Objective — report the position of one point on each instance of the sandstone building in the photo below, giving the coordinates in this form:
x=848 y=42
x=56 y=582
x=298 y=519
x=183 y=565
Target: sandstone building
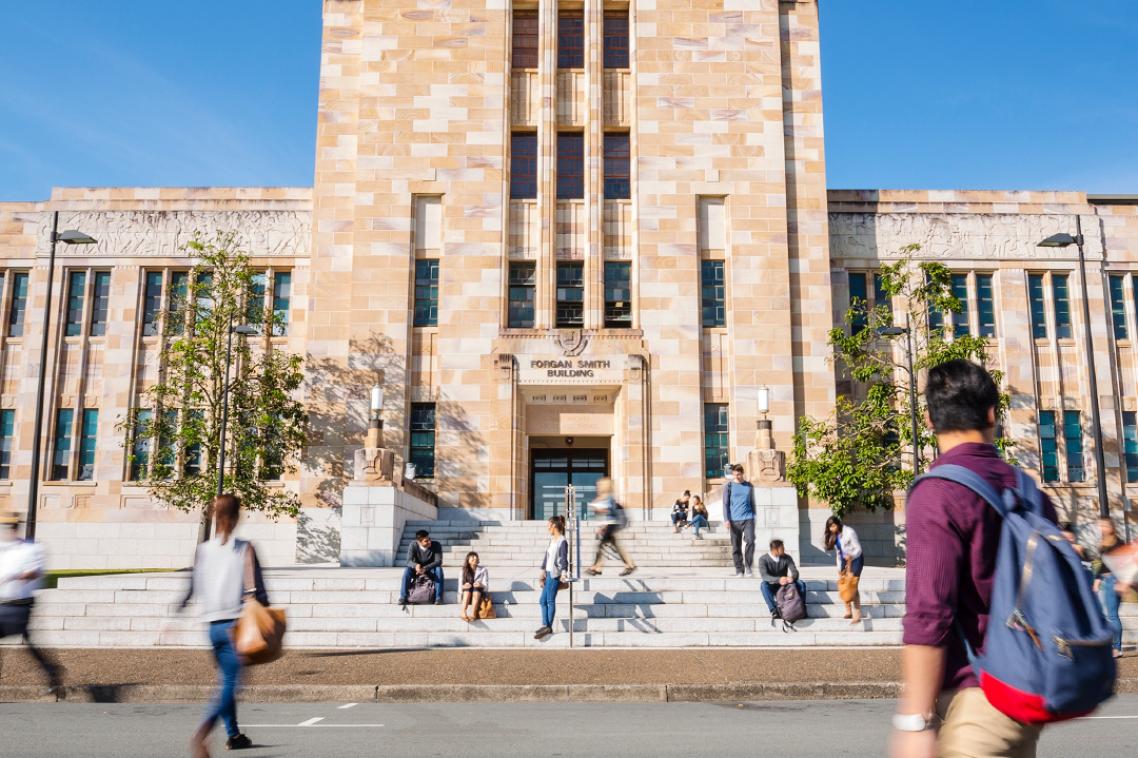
x=571 y=239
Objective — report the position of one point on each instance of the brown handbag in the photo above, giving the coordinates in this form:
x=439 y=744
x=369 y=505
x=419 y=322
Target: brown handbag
x=847 y=586
x=259 y=632
x=486 y=608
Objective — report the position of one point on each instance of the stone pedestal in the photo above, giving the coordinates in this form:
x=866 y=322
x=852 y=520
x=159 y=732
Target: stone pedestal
x=776 y=518
x=374 y=514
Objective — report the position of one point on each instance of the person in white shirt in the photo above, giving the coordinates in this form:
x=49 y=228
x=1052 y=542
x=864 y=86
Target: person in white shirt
x=475 y=586
x=22 y=564
x=843 y=539
x=554 y=563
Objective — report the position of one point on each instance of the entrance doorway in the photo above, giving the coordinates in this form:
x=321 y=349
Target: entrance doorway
x=554 y=470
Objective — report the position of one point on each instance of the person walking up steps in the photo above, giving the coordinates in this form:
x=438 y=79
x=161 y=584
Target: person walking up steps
x=613 y=519
x=21 y=572
x=739 y=518
x=553 y=564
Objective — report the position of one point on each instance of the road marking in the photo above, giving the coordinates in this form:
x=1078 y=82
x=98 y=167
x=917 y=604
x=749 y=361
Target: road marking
x=311 y=721
x=346 y=707
x=313 y=726
x=1108 y=718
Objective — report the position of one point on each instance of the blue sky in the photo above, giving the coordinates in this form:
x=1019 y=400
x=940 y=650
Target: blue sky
x=1015 y=94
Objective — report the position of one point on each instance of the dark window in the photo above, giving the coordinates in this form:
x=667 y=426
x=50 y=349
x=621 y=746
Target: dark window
x=1038 y=307
x=1118 y=308
x=176 y=309
x=985 y=305
x=525 y=40
x=1048 y=446
x=1060 y=294
x=713 y=293
x=523 y=281
x=192 y=429
x=19 y=304
x=88 y=440
x=140 y=447
x=76 y=291
x=716 y=445
x=571 y=41
x=618 y=295
x=1130 y=444
x=282 y=300
x=61 y=455
x=151 y=303
x=167 y=444
x=880 y=296
x=1073 y=436
x=427 y=292
x=570 y=294
x=523 y=165
x=423 y=438
x=960 y=317
x=7 y=432
x=255 y=299
x=272 y=457
x=203 y=297
x=618 y=179
x=859 y=301
x=616 y=40
x=100 y=302
x=570 y=165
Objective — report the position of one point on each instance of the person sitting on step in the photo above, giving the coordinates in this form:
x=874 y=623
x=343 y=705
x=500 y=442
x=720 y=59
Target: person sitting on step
x=698 y=516
x=777 y=569
x=424 y=557
x=680 y=512
x=475 y=586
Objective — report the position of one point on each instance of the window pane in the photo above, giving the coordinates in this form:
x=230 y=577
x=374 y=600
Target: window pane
x=140 y=448
x=525 y=40
x=255 y=299
x=151 y=303
x=618 y=295
x=523 y=278
x=19 y=304
x=716 y=448
x=87 y=444
x=985 y=305
x=1118 y=308
x=859 y=302
x=571 y=40
x=618 y=179
x=1038 y=308
x=1073 y=435
x=616 y=40
x=61 y=454
x=1062 y=304
x=203 y=297
x=960 y=292
x=880 y=296
x=423 y=438
x=523 y=165
x=1048 y=446
x=282 y=300
x=76 y=290
x=713 y=293
x=570 y=165
x=1130 y=444
x=168 y=444
x=427 y=292
x=176 y=309
x=192 y=429
x=570 y=294
x=7 y=432
x=100 y=303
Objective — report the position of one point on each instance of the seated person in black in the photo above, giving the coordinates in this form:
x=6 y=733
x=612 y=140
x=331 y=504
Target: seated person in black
x=776 y=568
x=424 y=557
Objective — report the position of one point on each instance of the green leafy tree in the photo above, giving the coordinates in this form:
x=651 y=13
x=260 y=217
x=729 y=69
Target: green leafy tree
x=864 y=453
x=174 y=436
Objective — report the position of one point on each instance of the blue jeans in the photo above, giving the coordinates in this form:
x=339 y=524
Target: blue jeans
x=435 y=573
x=549 y=599
x=1111 y=602
x=857 y=564
x=229 y=670
x=770 y=590
x=698 y=522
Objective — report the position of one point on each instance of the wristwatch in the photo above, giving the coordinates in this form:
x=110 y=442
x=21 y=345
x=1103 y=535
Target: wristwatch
x=913 y=722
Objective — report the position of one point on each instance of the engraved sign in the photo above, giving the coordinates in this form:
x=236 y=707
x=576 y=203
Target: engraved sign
x=566 y=370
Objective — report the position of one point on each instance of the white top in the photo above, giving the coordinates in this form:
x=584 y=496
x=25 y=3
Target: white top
x=482 y=576
x=851 y=545
x=602 y=511
x=19 y=557
x=219 y=578
x=551 y=556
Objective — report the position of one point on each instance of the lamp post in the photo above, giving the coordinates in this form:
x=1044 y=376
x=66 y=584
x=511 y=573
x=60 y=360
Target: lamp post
x=375 y=425
x=764 y=400
x=1066 y=240
x=907 y=330
x=68 y=237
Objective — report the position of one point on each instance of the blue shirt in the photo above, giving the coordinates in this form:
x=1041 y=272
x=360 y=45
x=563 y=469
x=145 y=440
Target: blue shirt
x=738 y=501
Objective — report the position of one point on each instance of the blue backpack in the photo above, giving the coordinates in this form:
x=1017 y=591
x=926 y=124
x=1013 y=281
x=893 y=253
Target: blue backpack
x=1047 y=651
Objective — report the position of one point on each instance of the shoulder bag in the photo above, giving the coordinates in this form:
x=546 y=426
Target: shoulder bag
x=259 y=632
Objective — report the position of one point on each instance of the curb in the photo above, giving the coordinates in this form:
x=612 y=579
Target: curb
x=476 y=693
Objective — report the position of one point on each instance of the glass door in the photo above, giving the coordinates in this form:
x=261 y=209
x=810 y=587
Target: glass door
x=554 y=470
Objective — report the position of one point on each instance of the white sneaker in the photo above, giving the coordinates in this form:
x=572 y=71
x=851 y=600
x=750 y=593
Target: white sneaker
x=737 y=573
x=750 y=571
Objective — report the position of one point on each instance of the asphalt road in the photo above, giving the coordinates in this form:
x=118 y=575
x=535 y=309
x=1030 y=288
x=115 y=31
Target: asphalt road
x=799 y=729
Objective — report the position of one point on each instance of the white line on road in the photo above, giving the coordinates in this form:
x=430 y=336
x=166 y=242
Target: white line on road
x=311 y=721
x=313 y=726
x=1108 y=718
x=346 y=707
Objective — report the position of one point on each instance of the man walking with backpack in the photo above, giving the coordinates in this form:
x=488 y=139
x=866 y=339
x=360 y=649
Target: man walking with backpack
x=956 y=539
x=739 y=518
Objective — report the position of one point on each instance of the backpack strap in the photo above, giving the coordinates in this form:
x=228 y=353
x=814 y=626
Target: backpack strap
x=973 y=481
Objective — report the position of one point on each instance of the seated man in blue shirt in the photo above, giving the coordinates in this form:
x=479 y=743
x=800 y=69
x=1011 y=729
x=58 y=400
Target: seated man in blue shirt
x=776 y=569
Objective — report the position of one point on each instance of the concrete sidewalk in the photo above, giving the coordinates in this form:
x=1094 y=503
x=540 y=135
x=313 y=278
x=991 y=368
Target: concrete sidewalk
x=172 y=675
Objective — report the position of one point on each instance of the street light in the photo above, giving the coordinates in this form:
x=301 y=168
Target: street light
x=764 y=398
x=68 y=237
x=907 y=330
x=1066 y=240
x=375 y=425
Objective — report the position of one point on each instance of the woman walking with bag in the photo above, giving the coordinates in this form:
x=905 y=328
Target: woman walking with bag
x=553 y=563
x=475 y=586
x=225 y=572
x=850 y=563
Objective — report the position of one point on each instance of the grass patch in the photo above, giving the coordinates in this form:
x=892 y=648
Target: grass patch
x=51 y=580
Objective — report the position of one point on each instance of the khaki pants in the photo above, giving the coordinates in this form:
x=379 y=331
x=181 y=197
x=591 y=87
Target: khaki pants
x=972 y=728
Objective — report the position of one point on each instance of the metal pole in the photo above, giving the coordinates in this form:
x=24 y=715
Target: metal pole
x=913 y=398
x=571 y=509
x=37 y=443
x=1096 y=423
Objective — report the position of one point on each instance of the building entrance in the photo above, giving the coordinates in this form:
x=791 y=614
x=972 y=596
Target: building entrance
x=551 y=471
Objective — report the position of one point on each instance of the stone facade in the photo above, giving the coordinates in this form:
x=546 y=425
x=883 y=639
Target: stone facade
x=418 y=110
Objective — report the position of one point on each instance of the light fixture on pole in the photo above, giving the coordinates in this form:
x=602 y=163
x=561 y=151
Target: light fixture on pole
x=1066 y=240
x=375 y=427
x=68 y=237
x=907 y=330
x=764 y=398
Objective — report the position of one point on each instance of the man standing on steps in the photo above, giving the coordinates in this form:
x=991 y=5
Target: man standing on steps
x=739 y=518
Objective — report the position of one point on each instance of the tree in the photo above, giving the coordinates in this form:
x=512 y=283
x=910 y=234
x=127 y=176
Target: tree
x=855 y=458
x=174 y=435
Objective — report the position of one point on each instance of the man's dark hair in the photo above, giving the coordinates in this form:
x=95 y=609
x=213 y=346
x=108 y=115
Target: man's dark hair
x=421 y=534
x=738 y=467
x=776 y=544
x=959 y=394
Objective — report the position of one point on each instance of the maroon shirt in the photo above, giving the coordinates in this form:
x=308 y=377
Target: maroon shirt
x=952 y=536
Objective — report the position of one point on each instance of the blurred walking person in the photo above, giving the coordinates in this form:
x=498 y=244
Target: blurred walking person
x=1105 y=584
x=613 y=519
x=221 y=581
x=22 y=565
